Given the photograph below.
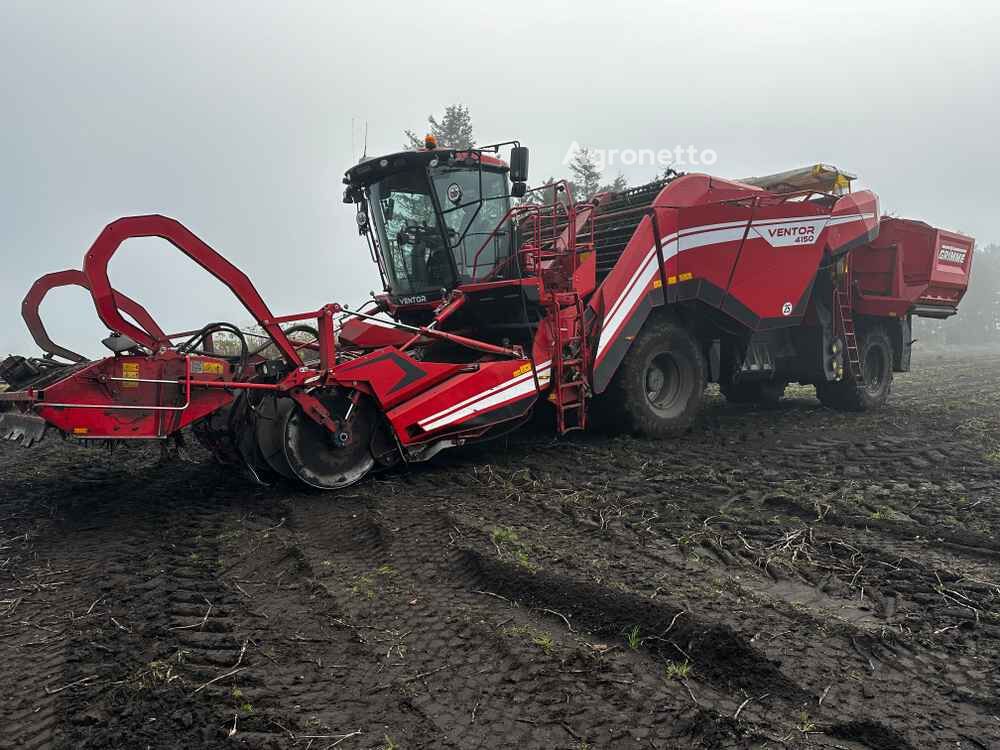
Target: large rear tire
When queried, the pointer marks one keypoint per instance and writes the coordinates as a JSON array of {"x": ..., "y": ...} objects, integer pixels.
[
  {"x": 658, "y": 387},
  {"x": 872, "y": 391}
]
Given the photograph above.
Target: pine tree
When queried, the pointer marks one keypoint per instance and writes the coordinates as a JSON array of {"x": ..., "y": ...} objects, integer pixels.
[
  {"x": 586, "y": 175},
  {"x": 617, "y": 185},
  {"x": 540, "y": 195},
  {"x": 454, "y": 130}
]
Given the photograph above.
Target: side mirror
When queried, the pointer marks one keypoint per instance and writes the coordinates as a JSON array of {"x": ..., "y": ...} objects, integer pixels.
[
  {"x": 518, "y": 189},
  {"x": 519, "y": 164}
]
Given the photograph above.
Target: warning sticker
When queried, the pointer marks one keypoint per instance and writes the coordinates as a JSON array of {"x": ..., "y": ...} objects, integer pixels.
[
  {"x": 204, "y": 367},
  {"x": 130, "y": 374}
]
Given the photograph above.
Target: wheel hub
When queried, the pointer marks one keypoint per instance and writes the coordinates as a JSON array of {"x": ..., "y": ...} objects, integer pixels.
[{"x": 663, "y": 382}]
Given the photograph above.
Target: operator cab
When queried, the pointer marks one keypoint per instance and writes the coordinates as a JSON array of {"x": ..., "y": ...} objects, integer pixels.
[{"x": 435, "y": 218}]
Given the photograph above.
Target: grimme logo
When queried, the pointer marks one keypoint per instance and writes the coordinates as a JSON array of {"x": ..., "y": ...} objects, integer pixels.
[{"x": 951, "y": 254}]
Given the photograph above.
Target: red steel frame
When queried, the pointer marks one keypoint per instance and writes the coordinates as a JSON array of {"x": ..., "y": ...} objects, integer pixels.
[
  {"x": 297, "y": 383},
  {"x": 72, "y": 277}
]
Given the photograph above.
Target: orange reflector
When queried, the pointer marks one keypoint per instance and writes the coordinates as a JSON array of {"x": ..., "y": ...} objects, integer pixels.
[{"x": 80, "y": 430}]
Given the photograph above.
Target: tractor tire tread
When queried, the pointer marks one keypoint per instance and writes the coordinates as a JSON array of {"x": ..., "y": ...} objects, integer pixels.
[
  {"x": 852, "y": 395},
  {"x": 625, "y": 395}
]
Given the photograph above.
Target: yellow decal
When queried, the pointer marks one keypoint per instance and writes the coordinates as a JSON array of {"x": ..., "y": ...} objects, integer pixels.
[
  {"x": 130, "y": 372},
  {"x": 686, "y": 276},
  {"x": 80, "y": 430},
  {"x": 522, "y": 369},
  {"x": 212, "y": 368}
]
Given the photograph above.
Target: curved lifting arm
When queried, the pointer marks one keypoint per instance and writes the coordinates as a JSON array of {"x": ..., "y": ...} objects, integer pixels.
[
  {"x": 72, "y": 277},
  {"x": 95, "y": 267}
]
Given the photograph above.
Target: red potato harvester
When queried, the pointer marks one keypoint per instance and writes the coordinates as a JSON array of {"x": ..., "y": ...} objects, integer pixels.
[{"x": 498, "y": 298}]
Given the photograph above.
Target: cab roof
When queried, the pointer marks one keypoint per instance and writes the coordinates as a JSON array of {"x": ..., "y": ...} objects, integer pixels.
[{"x": 374, "y": 168}]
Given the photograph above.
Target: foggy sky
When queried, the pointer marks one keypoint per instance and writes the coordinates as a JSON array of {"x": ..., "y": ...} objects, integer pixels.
[{"x": 236, "y": 118}]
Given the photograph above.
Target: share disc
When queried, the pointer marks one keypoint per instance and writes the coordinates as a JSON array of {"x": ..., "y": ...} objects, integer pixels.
[{"x": 312, "y": 452}]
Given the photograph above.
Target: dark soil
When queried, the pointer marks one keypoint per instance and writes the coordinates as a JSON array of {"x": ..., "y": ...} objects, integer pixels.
[{"x": 787, "y": 578}]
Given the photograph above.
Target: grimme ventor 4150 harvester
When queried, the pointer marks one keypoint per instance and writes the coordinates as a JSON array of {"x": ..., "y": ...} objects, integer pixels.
[{"x": 622, "y": 308}]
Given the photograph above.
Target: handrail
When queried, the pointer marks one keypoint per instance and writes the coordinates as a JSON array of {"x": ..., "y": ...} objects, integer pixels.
[
  {"x": 525, "y": 208},
  {"x": 138, "y": 407},
  {"x": 511, "y": 213}
]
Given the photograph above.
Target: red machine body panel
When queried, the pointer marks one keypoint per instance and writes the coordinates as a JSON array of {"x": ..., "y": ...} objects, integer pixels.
[
  {"x": 371, "y": 334},
  {"x": 134, "y": 397},
  {"x": 751, "y": 254},
  {"x": 492, "y": 392},
  {"x": 912, "y": 266},
  {"x": 393, "y": 376}
]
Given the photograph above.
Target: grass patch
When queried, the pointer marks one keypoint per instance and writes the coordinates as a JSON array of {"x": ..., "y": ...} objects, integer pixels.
[
  {"x": 632, "y": 638},
  {"x": 539, "y": 638},
  {"x": 367, "y": 585},
  {"x": 509, "y": 545},
  {"x": 678, "y": 670}
]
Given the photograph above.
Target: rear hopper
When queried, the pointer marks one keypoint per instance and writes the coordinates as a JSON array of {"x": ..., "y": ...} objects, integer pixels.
[{"x": 912, "y": 268}]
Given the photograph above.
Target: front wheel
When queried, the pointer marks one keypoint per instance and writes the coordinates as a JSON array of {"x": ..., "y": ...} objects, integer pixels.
[
  {"x": 872, "y": 391},
  {"x": 658, "y": 388}
]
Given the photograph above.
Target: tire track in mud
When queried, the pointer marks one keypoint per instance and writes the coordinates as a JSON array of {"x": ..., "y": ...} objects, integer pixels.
[
  {"x": 44, "y": 604},
  {"x": 200, "y": 638},
  {"x": 120, "y": 651},
  {"x": 945, "y": 683},
  {"x": 490, "y": 669},
  {"x": 843, "y": 567}
]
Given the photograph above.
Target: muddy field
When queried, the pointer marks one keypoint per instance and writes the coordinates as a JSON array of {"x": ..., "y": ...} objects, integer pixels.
[{"x": 777, "y": 579}]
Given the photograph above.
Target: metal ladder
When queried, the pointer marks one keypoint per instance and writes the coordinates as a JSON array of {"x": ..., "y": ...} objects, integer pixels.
[
  {"x": 843, "y": 305},
  {"x": 570, "y": 388}
]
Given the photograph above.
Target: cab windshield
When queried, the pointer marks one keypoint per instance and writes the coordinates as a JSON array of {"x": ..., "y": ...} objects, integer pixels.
[
  {"x": 473, "y": 202},
  {"x": 431, "y": 224}
]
